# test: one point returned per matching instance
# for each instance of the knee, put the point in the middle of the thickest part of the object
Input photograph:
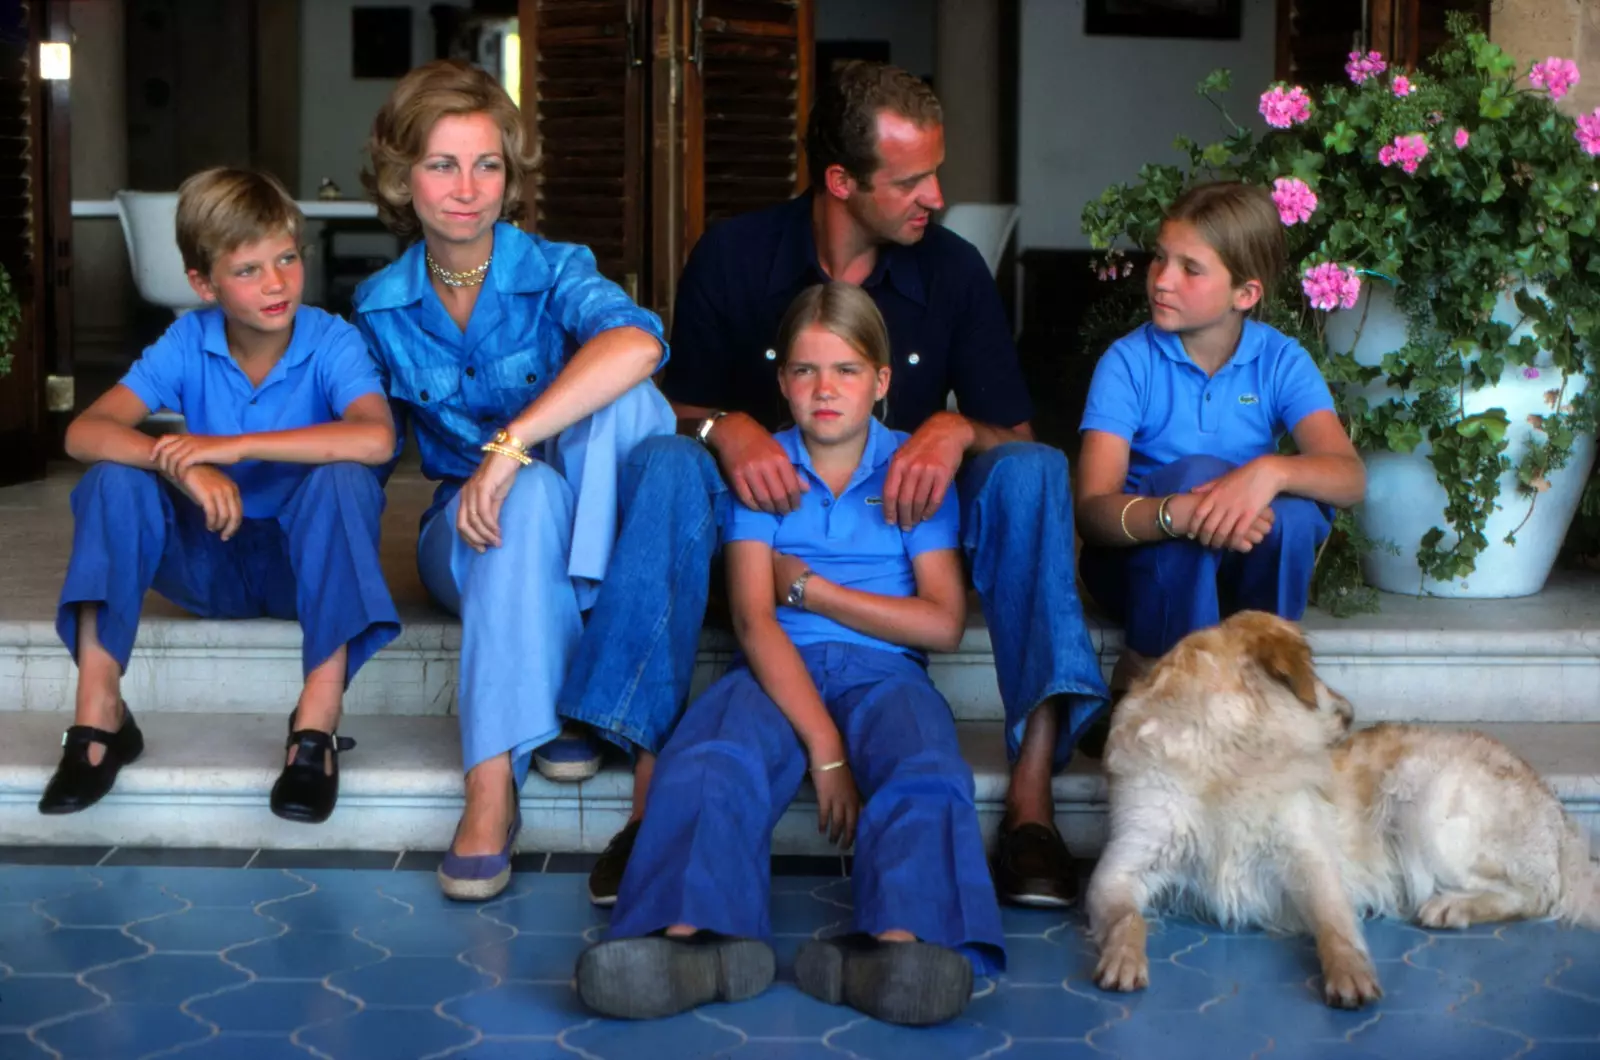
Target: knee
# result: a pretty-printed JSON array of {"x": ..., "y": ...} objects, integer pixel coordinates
[
  {"x": 345, "y": 479},
  {"x": 1297, "y": 523},
  {"x": 1028, "y": 467},
  {"x": 670, "y": 469},
  {"x": 106, "y": 482},
  {"x": 538, "y": 492},
  {"x": 1186, "y": 473}
]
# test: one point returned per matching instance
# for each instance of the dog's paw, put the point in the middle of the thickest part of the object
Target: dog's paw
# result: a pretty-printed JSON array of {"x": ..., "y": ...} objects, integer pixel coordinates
[
  {"x": 1446, "y": 911},
  {"x": 1123, "y": 969},
  {"x": 1350, "y": 982}
]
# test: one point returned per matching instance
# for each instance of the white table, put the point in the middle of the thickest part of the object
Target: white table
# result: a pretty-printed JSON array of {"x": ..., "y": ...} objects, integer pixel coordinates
[{"x": 314, "y": 209}]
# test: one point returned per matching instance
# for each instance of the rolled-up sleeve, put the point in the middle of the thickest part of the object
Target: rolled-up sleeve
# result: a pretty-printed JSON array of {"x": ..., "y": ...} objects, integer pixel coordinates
[{"x": 587, "y": 304}]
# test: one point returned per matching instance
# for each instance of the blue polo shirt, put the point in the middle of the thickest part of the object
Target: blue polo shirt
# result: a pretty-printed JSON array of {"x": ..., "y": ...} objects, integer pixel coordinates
[
  {"x": 947, "y": 328},
  {"x": 1149, "y": 392},
  {"x": 190, "y": 371},
  {"x": 538, "y": 304},
  {"x": 845, "y": 539}
]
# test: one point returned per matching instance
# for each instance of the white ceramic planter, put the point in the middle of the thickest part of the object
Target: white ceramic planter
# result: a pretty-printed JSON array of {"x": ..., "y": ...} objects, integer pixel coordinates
[{"x": 1404, "y": 499}]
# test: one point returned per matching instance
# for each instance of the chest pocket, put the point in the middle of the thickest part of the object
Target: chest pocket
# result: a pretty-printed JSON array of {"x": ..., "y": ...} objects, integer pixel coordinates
[
  {"x": 513, "y": 381},
  {"x": 425, "y": 387}
]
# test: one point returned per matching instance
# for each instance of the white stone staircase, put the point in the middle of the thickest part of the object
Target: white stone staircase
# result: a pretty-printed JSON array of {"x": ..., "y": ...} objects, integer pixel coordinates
[{"x": 212, "y": 698}]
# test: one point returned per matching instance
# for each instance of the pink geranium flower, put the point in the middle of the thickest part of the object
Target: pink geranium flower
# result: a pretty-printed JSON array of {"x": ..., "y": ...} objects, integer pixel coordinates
[
  {"x": 1283, "y": 107},
  {"x": 1295, "y": 200},
  {"x": 1588, "y": 132},
  {"x": 1407, "y": 152},
  {"x": 1462, "y": 137},
  {"x": 1402, "y": 85},
  {"x": 1362, "y": 67},
  {"x": 1555, "y": 75},
  {"x": 1331, "y": 286}
]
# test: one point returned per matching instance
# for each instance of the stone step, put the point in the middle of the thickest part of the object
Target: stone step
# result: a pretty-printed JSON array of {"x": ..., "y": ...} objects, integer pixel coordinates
[
  {"x": 1530, "y": 660},
  {"x": 204, "y": 779}
]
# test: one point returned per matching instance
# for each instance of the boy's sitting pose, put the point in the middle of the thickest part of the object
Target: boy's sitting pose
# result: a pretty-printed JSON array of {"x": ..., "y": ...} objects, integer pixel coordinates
[
  {"x": 833, "y": 609},
  {"x": 286, "y": 399},
  {"x": 1189, "y": 512}
]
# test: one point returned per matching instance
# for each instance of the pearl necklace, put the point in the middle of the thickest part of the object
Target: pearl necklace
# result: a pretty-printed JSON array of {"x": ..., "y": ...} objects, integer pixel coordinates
[{"x": 469, "y": 278}]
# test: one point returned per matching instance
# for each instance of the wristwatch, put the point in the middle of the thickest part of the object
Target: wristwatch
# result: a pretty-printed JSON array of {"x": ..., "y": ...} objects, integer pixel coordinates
[
  {"x": 797, "y": 591},
  {"x": 702, "y": 433}
]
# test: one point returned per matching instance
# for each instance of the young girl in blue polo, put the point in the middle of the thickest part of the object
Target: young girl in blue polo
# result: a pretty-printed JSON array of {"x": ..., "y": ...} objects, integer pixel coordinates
[
  {"x": 262, "y": 508},
  {"x": 1188, "y": 510},
  {"x": 833, "y": 609}
]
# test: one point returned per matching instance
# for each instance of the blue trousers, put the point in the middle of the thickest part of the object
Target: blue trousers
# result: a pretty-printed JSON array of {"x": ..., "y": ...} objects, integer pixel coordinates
[
  {"x": 316, "y": 562},
  {"x": 521, "y": 604},
  {"x": 703, "y": 852},
  {"x": 1162, "y": 592},
  {"x": 634, "y": 664}
]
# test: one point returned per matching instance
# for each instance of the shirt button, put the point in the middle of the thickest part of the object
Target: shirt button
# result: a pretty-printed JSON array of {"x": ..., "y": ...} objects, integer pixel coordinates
[
  {"x": 471, "y": 372},
  {"x": 423, "y": 395},
  {"x": 772, "y": 355},
  {"x": 915, "y": 358},
  {"x": 1208, "y": 395},
  {"x": 532, "y": 376},
  {"x": 827, "y": 503}
]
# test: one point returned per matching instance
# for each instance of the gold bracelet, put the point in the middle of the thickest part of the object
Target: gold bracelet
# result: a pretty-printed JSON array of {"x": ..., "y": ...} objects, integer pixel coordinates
[
  {"x": 1125, "y": 530},
  {"x": 830, "y": 767},
  {"x": 505, "y": 450}
]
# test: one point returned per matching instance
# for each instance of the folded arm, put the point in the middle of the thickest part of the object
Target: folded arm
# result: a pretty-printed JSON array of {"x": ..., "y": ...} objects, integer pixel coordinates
[{"x": 932, "y": 620}]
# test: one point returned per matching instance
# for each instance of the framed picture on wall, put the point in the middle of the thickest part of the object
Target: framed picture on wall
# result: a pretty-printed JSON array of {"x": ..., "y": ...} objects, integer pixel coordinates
[
  {"x": 380, "y": 42},
  {"x": 1194, "y": 19}
]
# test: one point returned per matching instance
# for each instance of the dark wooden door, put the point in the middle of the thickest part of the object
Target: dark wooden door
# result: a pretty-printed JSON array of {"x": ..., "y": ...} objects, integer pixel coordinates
[
  {"x": 1315, "y": 37},
  {"x": 24, "y": 426},
  {"x": 584, "y": 86}
]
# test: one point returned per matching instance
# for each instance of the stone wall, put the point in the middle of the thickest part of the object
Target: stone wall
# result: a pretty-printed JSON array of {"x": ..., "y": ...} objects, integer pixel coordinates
[{"x": 1537, "y": 29}]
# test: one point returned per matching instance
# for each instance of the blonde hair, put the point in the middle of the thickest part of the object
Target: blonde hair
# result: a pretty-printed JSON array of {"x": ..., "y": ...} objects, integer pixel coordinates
[
  {"x": 400, "y": 131},
  {"x": 220, "y": 210},
  {"x": 844, "y": 310},
  {"x": 1241, "y": 223}
]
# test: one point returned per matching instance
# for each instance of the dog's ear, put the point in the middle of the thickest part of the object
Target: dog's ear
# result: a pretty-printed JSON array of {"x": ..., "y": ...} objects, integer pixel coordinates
[{"x": 1281, "y": 650}]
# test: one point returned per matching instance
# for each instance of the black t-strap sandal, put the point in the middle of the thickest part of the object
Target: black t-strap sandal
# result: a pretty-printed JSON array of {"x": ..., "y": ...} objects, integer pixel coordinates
[
  {"x": 78, "y": 785},
  {"x": 306, "y": 791}
]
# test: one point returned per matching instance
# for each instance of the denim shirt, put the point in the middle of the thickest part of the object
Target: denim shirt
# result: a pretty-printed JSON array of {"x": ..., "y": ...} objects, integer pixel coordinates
[{"x": 539, "y": 303}]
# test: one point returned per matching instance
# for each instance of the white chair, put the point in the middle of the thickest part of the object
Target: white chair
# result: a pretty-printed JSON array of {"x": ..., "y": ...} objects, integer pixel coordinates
[
  {"x": 986, "y": 226},
  {"x": 149, "y": 224}
]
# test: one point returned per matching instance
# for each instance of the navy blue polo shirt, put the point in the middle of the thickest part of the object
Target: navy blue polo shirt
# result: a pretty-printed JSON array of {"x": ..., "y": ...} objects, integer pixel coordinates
[
  {"x": 947, "y": 328},
  {"x": 844, "y": 538},
  {"x": 189, "y": 370},
  {"x": 1148, "y": 391}
]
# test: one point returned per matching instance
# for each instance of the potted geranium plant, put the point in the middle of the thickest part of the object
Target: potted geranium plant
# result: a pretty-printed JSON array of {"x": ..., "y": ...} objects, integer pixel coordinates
[{"x": 1442, "y": 227}]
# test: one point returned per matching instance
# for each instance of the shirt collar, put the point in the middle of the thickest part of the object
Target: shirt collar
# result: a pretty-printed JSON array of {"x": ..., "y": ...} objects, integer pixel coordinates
[
  {"x": 795, "y": 265},
  {"x": 1249, "y": 348},
  {"x": 880, "y": 447},
  {"x": 518, "y": 267},
  {"x": 214, "y": 337}
]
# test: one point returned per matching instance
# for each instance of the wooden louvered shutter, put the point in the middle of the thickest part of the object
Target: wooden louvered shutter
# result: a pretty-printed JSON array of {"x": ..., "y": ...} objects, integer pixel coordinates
[
  {"x": 747, "y": 92},
  {"x": 584, "y": 98},
  {"x": 23, "y": 425}
]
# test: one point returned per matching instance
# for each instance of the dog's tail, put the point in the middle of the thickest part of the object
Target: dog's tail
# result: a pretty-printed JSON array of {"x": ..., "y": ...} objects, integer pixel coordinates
[{"x": 1580, "y": 881}]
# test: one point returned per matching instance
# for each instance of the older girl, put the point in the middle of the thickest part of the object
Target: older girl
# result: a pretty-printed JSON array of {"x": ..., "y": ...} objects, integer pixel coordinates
[
  {"x": 525, "y": 375},
  {"x": 833, "y": 608}
]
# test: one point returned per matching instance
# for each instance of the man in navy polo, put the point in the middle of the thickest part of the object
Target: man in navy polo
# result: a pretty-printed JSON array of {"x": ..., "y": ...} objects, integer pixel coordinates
[{"x": 874, "y": 146}]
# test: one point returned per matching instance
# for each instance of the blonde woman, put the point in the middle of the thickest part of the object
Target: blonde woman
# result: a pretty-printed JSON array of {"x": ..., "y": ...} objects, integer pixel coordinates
[{"x": 526, "y": 377}]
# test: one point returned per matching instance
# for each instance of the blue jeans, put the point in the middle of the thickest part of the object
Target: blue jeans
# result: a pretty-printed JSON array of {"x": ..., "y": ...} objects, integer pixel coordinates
[
  {"x": 316, "y": 562},
  {"x": 1163, "y": 591},
  {"x": 734, "y": 764},
  {"x": 634, "y": 665}
]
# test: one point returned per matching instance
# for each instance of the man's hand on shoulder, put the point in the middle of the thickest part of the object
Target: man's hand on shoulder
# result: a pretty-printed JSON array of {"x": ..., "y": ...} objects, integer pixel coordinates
[
  {"x": 755, "y": 465},
  {"x": 923, "y": 468}
]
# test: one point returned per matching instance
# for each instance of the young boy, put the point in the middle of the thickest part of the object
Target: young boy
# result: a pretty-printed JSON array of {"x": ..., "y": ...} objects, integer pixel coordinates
[
  {"x": 833, "y": 608},
  {"x": 262, "y": 508},
  {"x": 1188, "y": 510}
]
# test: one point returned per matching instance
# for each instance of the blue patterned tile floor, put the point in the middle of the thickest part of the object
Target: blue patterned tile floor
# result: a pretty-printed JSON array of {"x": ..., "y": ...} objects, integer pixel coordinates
[{"x": 131, "y": 959}]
